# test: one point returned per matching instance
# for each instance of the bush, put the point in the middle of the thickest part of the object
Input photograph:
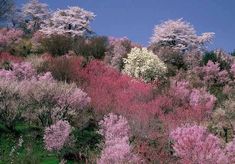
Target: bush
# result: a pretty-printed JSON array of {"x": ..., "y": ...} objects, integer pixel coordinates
[
  {"x": 21, "y": 48},
  {"x": 57, "y": 45},
  {"x": 220, "y": 57},
  {"x": 143, "y": 64},
  {"x": 195, "y": 145},
  {"x": 117, "y": 148},
  {"x": 91, "y": 47},
  {"x": 118, "y": 49}
]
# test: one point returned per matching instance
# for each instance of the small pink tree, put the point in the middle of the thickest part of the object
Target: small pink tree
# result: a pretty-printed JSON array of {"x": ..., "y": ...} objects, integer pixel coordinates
[
  {"x": 193, "y": 144},
  {"x": 8, "y": 36},
  {"x": 56, "y": 135},
  {"x": 115, "y": 130},
  {"x": 230, "y": 151}
]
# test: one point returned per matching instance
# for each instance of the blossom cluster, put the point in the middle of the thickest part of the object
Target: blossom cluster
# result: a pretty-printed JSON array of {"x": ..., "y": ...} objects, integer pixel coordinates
[
  {"x": 180, "y": 35},
  {"x": 43, "y": 98},
  {"x": 143, "y": 64},
  {"x": 193, "y": 144},
  {"x": 8, "y": 36},
  {"x": 56, "y": 135},
  {"x": 117, "y": 149},
  {"x": 73, "y": 21}
]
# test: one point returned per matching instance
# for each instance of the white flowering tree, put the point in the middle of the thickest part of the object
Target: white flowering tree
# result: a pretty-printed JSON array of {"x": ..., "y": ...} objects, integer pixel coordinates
[
  {"x": 35, "y": 13},
  {"x": 143, "y": 64},
  {"x": 180, "y": 35},
  {"x": 73, "y": 21}
]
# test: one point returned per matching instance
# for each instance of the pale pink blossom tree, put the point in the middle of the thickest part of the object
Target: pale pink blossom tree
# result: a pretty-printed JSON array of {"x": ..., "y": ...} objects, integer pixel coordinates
[
  {"x": 35, "y": 13},
  {"x": 73, "y": 21},
  {"x": 117, "y": 149},
  {"x": 56, "y": 135},
  {"x": 8, "y": 36},
  {"x": 193, "y": 144},
  {"x": 179, "y": 35}
]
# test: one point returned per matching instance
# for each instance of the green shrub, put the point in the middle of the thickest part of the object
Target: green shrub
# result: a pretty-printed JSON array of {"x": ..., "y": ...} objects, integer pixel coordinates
[
  {"x": 57, "y": 45},
  {"x": 93, "y": 47},
  {"x": 21, "y": 48}
]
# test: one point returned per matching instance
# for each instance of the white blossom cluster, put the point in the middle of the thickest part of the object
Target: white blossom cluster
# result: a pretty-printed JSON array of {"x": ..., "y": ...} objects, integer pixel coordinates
[
  {"x": 143, "y": 64},
  {"x": 73, "y": 21},
  {"x": 180, "y": 35},
  {"x": 35, "y": 14}
]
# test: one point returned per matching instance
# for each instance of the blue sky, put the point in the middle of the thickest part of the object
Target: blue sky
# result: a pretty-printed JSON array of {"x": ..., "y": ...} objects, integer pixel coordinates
[{"x": 136, "y": 18}]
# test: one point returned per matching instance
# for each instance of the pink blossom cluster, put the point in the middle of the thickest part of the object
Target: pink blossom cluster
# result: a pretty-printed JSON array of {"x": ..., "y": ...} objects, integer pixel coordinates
[
  {"x": 20, "y": 71},
  {"x": 6, "y": 57},
  {"x": 7, "y": 36},
  {"x": 56, "y": 135},
  {"x": 212, "y": 74},
  {"x": 193, "y": 144},
  {"x": 232, "y": 70},
  {"x": 230, "y": 151},
  {"x": 117, "y": 149},
  {"x": 200, "y": 97},
  {"x": 182, "y": 93},
  {"x": 44, "y": 93}
]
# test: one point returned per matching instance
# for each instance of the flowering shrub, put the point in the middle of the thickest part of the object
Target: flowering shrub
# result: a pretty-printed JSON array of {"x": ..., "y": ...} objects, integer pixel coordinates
[
  {"x": 141, "y": 63},
  {"x": 117, "y": 149},
  {"x": 233, "y": 70},
  {"x": 230, "y": 151},
  {"x": 182, "y": 93},
  {"x": 200, "y": 97},
  {"x": 8, "y": 36},
  {"x": 10, "y": 104},
  {"x": 47, "y": 99},
  {"x": 111, "y": 91},
  {"x": 194, "y": 145},
  {"x": 6, "y": 57},
  {"x": 56, "y": 135}
]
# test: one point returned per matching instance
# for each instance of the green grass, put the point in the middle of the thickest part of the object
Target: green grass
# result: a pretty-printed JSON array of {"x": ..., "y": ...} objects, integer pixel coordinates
[{"x": 32, "y": 150}]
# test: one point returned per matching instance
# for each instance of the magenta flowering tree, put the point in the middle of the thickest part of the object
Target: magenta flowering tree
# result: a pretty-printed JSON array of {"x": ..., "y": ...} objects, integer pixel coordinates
[
  {"x": 117, "y": 149},
  {"x": 193, "y": 144},
  {"x": 56, "y": 135}
]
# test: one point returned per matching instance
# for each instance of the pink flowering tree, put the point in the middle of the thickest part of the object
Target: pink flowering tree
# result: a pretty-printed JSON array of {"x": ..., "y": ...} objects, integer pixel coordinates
[
  {"x": 56, "y": 135},
  {"x": 117, "y": 149},
  {"x": 46, "y": 100},
  {"x": 193, "y": 144},
  {"x": 232, "y": 70},
  {"x": 230, "y": 151},
  {"x": 8, "y": 36}
]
